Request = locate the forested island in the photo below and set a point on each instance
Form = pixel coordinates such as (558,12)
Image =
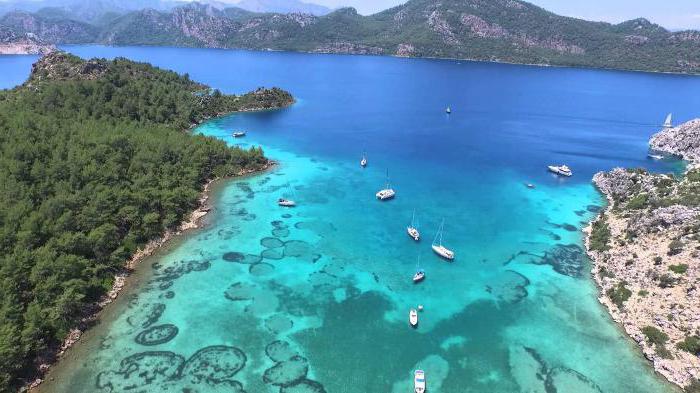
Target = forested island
(646,252)
(96,162)
(493,30)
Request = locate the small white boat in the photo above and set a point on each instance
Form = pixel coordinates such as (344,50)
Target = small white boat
(669,121)
(656,156)
(363,162)
(419,276)
(562,170)
(413,317)
(419,381)
(439,248)
(239,134)
(387,192)
(448,110)
(529,185)
(286,202)
(413,228)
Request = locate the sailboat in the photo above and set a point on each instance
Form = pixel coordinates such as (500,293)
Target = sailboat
(439,248)
(669,121)
(363,162)
(387,192)
(413,228)
(448,110)
(287,202)
(420,273)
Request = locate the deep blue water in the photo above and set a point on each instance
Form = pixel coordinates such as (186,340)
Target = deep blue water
(515,309)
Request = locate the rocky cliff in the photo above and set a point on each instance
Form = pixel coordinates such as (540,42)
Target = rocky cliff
(646,253)
(12,43)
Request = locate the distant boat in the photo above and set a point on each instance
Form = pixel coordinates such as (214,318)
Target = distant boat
(669,121)
(419,381)
(655,156)
(562,170)
(387,192)
(363,162)
(448,110)
(239,134)
(420,273)
(413,228)
(413,317)
(287,202)
(439,248)
(529,185)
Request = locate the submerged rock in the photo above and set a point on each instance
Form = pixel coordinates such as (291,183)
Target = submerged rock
(280,351)
(565,259)
(261,269)
(214,364)
(278,323)
(156,335)
(240,257)
(146,315)
(304,386)
(271,242)
(287,372)
(142,370)
(240,291)
(273,254)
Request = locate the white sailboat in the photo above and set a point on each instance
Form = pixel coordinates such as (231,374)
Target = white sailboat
(419,381)
(420,274)
(448,110)
(413,228)
(387,192)
(669,121)
(413,317)
(363,161)
(439,248)
(287,202)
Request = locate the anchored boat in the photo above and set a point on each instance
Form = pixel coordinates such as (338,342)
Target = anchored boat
(419,381)
(239,134)
(439,248)
(387,192)
(562,170)
(363,162)
(420,274)
(448,110)
(413,228)
(413,317)
(287,202)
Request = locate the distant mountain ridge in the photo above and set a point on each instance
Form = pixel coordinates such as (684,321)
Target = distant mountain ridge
(283,7)
(493,30)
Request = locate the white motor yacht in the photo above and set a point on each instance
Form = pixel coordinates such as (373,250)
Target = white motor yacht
(239,134)
(413,317)
(419,381)
(562,170)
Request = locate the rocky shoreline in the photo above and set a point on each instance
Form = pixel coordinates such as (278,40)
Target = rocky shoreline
(91,313)
(645,249)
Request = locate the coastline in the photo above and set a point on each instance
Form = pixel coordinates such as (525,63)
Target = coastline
(397,56)
(647,288)
(93,311)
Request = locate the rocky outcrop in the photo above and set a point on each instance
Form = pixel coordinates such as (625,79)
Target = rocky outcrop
(683,141)
(645,251)
(62,66)
(12,43)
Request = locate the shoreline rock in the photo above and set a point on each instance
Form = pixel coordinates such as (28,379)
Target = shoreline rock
(645,249)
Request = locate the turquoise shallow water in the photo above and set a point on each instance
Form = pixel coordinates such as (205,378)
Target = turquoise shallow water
(316,298)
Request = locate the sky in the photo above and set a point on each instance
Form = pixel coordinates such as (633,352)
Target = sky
(672,14)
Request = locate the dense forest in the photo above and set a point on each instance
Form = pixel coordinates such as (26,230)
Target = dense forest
(95,162)
(494,30)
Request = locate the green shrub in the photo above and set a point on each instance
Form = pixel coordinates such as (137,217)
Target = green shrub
(643,293)
(679,269)
(690,344)
(654,335)
(675,247)
(600,235)
(658,260)
(640,201)
(619,294)
(667,281)
(694,387)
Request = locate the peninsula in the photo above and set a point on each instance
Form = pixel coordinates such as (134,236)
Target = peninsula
(96,165)
(645,249)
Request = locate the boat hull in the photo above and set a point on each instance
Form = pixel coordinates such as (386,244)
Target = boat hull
(385,195)
(444,252)
(413,233)
(558,171)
